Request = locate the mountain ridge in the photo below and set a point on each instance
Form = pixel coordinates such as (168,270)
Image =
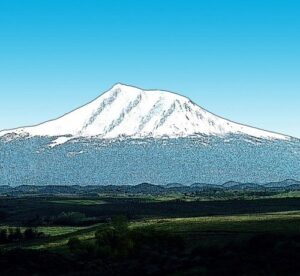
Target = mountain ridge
(150,188)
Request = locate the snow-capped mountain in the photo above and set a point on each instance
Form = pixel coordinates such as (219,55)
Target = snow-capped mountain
(126,136)
(126,111)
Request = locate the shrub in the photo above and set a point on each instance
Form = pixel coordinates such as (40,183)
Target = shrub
(120,223)
(160,240)
(15,234)
(74,244)
(3,215)
(111,242)
(30,234)
(69,218)
(3,236)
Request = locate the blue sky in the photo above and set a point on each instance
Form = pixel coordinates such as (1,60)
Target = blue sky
(238,59)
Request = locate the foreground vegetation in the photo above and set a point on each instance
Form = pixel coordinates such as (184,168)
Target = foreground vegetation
(143,234)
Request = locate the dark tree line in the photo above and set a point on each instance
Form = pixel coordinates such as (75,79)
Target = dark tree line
(8,235)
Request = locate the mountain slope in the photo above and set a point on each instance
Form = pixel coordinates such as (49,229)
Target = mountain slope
(126,111)
(85,161)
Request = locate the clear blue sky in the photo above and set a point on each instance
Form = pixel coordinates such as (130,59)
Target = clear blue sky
(238,59)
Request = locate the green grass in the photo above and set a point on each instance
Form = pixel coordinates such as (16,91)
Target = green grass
(58,230)
(59,241)
(50,230)
(58,237)
(291,194)
(218,228)
(194,220)
(19,211)
(205,227)
(79,201)
(266,222)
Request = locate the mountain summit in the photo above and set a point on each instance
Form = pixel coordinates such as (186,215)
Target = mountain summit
(126,111)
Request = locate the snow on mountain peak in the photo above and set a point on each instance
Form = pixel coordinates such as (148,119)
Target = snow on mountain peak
(126,111)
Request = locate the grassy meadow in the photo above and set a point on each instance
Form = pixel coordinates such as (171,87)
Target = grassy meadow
(169,234)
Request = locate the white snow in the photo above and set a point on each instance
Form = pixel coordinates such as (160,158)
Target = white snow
(60,141)
(126,111)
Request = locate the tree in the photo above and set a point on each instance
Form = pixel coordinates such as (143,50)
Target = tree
(69,218)
(74,244)
(17,235)
(114,241)
(3,215)
(29,234)
(120,224)
(3,236)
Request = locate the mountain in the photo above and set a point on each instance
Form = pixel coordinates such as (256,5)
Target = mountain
(230,184)
(284,184)
(130,136)
(203,186)
(126,111)
(245,186)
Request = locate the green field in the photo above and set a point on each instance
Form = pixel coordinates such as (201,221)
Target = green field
(216,227)
(183,235)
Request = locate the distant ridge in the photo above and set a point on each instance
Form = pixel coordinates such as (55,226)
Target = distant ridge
(147,188)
